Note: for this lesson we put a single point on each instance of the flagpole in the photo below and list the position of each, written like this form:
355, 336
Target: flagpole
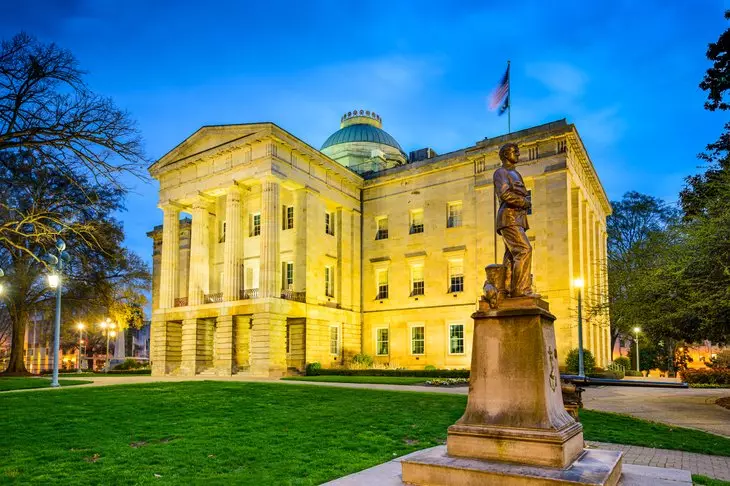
509, 98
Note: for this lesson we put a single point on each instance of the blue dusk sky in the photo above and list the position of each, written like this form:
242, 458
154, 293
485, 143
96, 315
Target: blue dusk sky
625, 72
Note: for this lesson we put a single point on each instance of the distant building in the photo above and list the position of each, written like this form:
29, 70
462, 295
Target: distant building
288, 255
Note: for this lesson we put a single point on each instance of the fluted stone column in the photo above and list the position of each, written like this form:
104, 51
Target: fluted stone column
170, 255
199, 275
232, 247
268, 344
268, 284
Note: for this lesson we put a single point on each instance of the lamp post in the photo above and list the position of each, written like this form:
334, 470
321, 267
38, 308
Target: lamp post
108, 327
2, 289
578, 284
637, 330
54, 282
80, 327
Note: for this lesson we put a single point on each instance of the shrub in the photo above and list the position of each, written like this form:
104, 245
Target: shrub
391, 372
363, 360
571, 362
634, 373
609, 374
721, 360
313, 369
714, 376
430, 368
129, 364
448, 382
623, 361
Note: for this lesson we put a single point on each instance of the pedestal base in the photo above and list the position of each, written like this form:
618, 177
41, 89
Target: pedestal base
434, 467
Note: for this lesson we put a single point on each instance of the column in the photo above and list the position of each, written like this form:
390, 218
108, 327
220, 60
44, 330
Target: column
223, 361
270, 225
300, 249
343, 233
170, 255
191, 338
268, 344
242, 340
232, 248
199, 275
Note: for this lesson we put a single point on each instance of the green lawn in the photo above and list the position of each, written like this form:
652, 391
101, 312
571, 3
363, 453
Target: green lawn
704, 480
22, 382
245, 433
380, 380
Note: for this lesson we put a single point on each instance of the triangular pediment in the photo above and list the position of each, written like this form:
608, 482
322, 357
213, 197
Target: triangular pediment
208, 138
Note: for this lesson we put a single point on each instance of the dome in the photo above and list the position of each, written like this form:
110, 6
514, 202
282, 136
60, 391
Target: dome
361, 132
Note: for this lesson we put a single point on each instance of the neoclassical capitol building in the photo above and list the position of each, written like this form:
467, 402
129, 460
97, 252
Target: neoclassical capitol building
273, 254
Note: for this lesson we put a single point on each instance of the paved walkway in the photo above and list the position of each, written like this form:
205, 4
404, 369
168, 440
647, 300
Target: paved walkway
693, 407
717, 467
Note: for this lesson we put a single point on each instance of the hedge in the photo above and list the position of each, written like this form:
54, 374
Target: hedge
101, 373
312, 371
714, 376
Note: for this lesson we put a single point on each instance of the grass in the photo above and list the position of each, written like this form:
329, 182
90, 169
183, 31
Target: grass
246, 433
704, 480
623, 429
380, 380
22, 383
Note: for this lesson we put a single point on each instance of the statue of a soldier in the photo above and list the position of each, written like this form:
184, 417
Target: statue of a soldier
511, 222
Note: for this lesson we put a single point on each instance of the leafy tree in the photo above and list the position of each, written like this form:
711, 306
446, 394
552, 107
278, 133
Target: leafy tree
100, 269
572, 361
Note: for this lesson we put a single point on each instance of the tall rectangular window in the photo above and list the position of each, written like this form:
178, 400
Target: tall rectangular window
456, 275
222, 234
418, 339
334, 339
255, 225
329, 223
382, 228
453, 214
382, 281
382, 344
287, 217
417, 286
329, 281
287, 275
416, 221
456, 338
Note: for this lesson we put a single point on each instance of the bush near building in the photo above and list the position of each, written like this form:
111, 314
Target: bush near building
315, 369
714, 376
571, 362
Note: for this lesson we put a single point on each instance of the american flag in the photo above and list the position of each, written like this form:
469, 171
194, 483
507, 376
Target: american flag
499, 99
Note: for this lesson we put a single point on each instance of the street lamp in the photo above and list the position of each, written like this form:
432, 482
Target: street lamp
578, 284
80, 327
108, 327
54, 282
2, 289
637, 330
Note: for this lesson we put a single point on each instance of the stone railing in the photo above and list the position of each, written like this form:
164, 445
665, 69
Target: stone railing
249, 294
211, 298
295, 296
180, 302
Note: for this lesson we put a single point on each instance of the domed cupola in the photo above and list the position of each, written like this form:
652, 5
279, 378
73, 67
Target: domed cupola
362, 145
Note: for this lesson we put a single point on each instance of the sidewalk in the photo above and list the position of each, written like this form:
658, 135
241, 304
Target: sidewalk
717, 467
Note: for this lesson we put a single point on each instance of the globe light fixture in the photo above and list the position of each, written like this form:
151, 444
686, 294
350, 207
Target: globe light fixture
578, 283
53, 280
637, 330
56, 264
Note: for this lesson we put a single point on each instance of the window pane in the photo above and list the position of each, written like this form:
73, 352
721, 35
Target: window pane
456, 338
454, 215
381, 346
417, 286
334, 340
382, 232
416, 221
417, 339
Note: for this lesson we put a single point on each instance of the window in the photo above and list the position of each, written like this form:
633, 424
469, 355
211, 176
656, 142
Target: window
456, 338
418, 341
252, 275
222, 234
529, 198
382, 228
456, 276
417, 286
334, 339
416, 221
329, 281
382, 281
453, 214
287, 217
329, 223
287, 275
532, 153
382, 345
562, 146
255, 225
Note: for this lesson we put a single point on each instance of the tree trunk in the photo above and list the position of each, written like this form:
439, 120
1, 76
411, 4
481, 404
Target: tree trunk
16, 365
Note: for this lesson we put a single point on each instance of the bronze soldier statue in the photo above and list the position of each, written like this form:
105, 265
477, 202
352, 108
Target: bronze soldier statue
511, 222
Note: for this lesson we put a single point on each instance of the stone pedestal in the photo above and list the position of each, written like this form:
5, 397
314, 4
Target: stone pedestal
515, 424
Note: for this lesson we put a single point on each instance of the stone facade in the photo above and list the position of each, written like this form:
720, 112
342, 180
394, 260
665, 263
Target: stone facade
273, 254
